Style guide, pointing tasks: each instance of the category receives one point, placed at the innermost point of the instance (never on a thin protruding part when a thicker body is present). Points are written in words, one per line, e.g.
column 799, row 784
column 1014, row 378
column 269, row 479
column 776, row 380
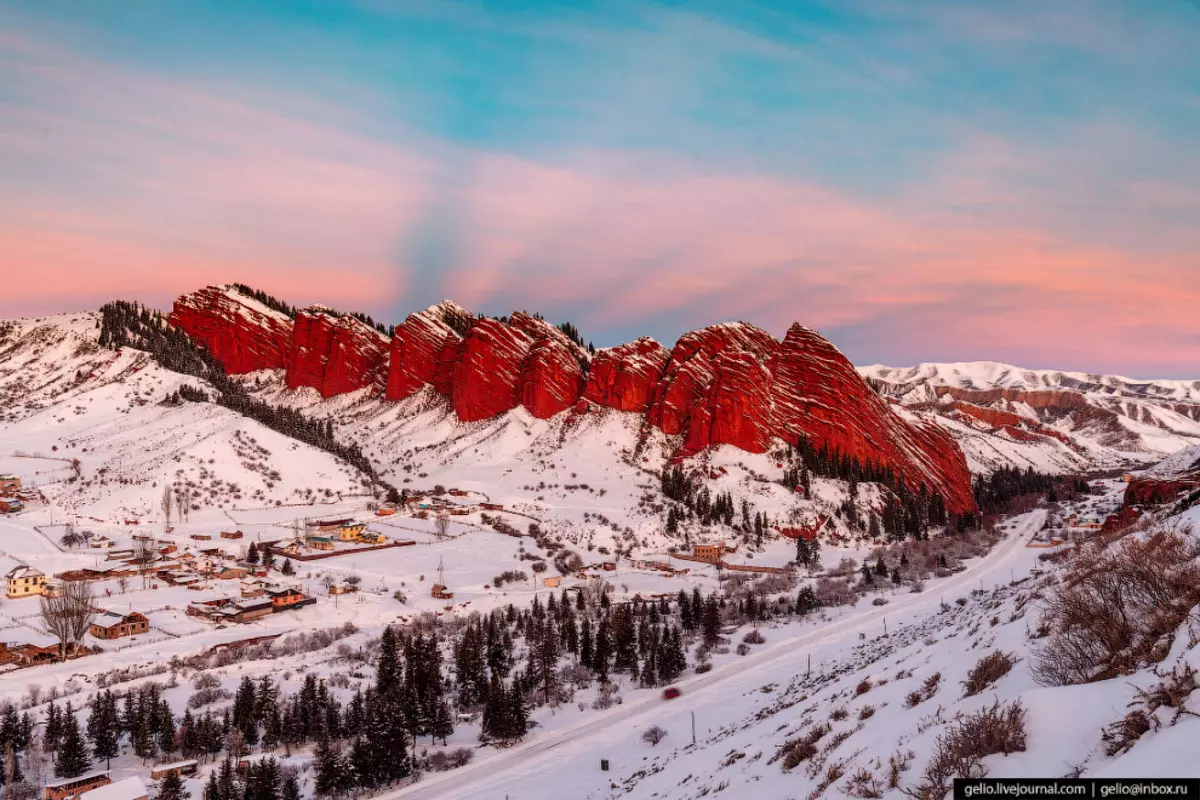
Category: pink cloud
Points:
column 175, row 185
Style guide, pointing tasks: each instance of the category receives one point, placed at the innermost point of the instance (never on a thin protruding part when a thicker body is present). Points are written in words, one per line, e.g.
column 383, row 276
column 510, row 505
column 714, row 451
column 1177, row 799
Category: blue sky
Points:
column 921, row 181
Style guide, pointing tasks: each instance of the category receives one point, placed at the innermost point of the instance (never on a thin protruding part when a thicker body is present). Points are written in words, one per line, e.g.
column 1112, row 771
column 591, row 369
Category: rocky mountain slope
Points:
column 1055, row 421
column 731, row 384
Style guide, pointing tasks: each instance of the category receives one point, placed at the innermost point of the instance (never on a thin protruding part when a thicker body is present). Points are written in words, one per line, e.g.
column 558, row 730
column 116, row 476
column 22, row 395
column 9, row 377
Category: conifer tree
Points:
column 103, row 727
column 443, row 722
column 72, row 759
column 290, row 788
column 172, row 788
column 711, row 621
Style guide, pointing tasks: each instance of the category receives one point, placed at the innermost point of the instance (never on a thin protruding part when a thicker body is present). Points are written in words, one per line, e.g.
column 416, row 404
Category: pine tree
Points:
column 806, row 601
column 102, row 727
column 443, row 722
column 172, row 788
column 72, row 760
column 331, row 770
column 287, row 568
column 711, row 621
column 290, row 789
column 586, row 647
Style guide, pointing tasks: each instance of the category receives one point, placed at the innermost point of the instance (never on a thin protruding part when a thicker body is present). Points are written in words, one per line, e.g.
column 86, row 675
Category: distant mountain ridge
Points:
column 1051, row 419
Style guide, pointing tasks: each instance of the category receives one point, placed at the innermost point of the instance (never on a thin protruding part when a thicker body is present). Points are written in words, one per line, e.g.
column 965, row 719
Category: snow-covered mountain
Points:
column 1052, row 420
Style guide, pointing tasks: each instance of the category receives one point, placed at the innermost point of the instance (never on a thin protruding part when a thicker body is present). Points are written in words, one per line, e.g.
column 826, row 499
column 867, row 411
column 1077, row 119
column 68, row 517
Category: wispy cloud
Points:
column 810, row 179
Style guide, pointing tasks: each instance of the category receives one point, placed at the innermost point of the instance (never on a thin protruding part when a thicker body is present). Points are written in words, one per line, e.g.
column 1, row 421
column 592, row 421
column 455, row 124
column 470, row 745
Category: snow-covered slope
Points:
column 107, row 439
column 877, row 692
column 1052, row 420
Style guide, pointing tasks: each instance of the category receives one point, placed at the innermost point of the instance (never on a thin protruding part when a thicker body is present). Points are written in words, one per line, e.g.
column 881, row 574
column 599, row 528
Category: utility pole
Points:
column 808, row 672
column 885, row 626
column 694, row 727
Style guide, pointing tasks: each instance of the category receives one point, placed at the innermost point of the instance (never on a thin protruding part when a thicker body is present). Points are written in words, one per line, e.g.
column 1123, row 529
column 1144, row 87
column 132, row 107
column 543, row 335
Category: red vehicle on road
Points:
column 670, row 693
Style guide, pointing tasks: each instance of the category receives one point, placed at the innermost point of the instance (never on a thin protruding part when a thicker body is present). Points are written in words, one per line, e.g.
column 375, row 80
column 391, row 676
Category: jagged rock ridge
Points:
column 728, row 384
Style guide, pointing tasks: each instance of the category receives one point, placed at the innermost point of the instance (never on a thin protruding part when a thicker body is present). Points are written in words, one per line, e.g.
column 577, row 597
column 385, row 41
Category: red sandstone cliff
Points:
column 240, row 332
column 726, row 384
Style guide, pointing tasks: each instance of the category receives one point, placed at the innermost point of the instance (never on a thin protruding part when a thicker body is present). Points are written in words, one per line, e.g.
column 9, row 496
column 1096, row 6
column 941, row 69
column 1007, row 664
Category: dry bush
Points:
column 898, row 762
column 1117, row 608
column 863, row 687
column 928, row 689
column 834, row 592
column 987, row 671
column 959, row 752
column 796, row 751
column 1124, row 733
column 864, row 785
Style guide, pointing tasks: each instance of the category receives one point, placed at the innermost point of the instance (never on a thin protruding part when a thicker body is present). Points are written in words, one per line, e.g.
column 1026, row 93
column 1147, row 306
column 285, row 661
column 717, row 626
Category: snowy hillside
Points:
column 98, row 427
column 1054, row 421
column 866, row 705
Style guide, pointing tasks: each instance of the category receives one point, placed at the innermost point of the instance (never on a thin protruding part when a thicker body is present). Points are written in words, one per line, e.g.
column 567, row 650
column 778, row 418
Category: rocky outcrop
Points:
column 420, row 345
column 488, row 370
column 1156, row 491
column 551, row 378
column 241, row 333
column 818, row 394
column 730, row 384
column 625, row 377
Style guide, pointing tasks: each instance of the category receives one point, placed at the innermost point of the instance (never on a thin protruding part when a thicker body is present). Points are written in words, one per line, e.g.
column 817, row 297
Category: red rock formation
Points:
column 240, row 332
column 737, row 407
column 818, row 393
column 551, row 378
column 420, row 344
column 335, row 354
column 357, row 358
column 488, row 370
column 625, row 377
column 1156, row 491
column 690, row 371
column 726, row 384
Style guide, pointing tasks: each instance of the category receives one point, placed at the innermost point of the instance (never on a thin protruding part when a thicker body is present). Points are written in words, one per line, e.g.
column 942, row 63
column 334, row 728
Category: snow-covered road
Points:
column 540, row 758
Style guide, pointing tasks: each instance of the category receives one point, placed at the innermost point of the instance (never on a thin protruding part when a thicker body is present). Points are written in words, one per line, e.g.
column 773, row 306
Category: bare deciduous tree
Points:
column 144, row 555
column 69, row 614
column 442, row 525
column 166, row 506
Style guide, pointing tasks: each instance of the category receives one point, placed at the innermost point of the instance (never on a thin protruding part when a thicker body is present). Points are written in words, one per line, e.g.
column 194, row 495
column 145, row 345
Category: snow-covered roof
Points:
column 23, row 571
column 84, row 777
column 128, row 789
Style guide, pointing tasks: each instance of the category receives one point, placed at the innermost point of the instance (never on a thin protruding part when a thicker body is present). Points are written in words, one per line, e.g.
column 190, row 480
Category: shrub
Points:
column 797, row 751
column 987, row 671
column 863, row 687
column 959, row 752
column 1116, row 606
column 654, row 735
column 206, row 680
column 754, row 637
column 928, row 689
column 207, row 696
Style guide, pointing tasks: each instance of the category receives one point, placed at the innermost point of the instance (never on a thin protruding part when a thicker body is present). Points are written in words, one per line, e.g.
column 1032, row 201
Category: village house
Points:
column 320, row 543
column 251, row 610
column 228, row 573
column 24, row 581
column 111, row 625
column 100, row 542
column 350, row 531
column 342, row 588
column 709, row 552
column 10, row 505
column 457, row 493
column 553, row 581
column 492, row 506
column 287, row 598
column 386, row 511
column 72, row 788
column 9, row 484
column 128, row 789
column 232, row 534
column 180, row 768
